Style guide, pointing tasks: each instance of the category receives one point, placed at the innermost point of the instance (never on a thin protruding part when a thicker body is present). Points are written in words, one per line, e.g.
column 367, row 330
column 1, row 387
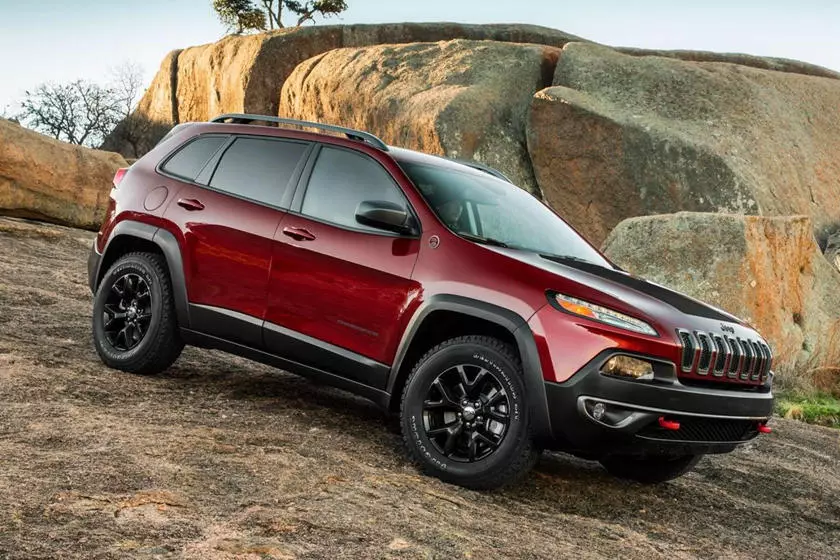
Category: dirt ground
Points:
column 222, row 458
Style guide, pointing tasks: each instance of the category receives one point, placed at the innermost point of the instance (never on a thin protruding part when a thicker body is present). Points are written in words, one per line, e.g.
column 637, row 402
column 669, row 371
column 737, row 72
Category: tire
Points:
column 649, row 470
column 153, row 342
column 493, row 445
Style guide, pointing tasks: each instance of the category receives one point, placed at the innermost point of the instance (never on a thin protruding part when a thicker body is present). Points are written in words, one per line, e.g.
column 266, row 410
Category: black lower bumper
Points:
column 711, row 420
column 94, row 260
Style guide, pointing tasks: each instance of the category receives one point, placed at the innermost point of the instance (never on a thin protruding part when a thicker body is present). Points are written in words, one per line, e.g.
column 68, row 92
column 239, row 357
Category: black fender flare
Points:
column 168, row 245
column 505, row 318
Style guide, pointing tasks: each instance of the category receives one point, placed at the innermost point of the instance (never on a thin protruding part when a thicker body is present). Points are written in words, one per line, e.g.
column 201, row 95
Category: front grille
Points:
column 703, row 429
column 738, row 359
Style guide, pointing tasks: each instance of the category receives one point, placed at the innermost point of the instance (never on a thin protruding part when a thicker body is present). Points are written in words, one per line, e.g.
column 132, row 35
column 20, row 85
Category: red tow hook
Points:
column 765, row 429
column 668, row 424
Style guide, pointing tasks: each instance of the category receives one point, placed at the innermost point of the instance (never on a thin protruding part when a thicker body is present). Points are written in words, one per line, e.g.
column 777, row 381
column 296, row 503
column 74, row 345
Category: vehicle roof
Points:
column 397, row 153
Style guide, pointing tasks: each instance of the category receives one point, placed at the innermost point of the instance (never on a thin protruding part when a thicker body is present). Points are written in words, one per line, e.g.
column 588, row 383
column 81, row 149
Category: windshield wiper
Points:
column 561, row 258
column 484, row 240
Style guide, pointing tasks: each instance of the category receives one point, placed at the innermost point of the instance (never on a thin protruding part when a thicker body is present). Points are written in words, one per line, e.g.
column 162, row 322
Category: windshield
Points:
column 485, row 209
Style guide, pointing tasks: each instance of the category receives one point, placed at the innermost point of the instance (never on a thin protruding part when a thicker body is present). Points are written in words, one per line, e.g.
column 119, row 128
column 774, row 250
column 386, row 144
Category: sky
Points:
column 63, row 40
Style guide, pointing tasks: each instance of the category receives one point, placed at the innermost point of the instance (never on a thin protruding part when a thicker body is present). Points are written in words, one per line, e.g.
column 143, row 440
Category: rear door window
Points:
column 258, row 169
column 192, row 157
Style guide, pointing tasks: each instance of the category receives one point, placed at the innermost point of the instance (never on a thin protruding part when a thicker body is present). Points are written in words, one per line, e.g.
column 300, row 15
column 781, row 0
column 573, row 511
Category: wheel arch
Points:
column 129, row 236
column 433, row 323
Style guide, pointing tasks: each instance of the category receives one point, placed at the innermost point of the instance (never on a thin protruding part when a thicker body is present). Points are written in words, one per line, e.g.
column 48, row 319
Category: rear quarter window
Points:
column 189, row 160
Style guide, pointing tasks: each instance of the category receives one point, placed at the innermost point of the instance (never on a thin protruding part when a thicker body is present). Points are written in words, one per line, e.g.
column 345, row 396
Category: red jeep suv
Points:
column 435, row 288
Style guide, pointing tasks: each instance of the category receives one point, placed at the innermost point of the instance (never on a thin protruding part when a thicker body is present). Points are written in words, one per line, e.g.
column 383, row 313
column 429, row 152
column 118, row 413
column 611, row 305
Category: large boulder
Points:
column 246, row 73
column 45, row 179
column 620, row 136
column 461, row 99
column 768, row 271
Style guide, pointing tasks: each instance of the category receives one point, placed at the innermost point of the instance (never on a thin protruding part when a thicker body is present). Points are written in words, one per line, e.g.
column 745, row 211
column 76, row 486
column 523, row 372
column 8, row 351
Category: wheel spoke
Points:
column 129, row 286
column 114, row 311
column 427, row 404
column 448, row 428
column 498, row 416
column 465, row 382
column 472, row 447
column 447, row 398
column 452, row 439
column 493, row 444
column 480, row 379
column 123, row 332
column 496, row 397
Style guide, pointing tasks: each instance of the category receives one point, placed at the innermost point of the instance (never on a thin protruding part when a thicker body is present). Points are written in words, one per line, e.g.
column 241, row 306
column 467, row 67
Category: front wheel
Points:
column 649, row 470
column 464, row 415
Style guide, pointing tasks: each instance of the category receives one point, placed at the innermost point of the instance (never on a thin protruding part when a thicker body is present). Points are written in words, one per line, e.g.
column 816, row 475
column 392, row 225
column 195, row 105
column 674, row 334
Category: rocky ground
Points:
column 222, row 458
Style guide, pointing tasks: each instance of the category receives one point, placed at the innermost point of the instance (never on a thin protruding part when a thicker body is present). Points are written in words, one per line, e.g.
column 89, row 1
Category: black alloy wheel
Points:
column 135, row 327
column 466, row 413
column 127, row 312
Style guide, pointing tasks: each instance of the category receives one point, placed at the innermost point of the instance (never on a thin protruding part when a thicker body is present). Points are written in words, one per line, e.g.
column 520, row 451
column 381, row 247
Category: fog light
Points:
column 599, row 410
column 627, row 366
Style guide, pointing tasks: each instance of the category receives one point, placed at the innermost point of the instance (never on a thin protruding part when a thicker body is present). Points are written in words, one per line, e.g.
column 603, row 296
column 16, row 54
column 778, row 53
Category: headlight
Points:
column 596, row 312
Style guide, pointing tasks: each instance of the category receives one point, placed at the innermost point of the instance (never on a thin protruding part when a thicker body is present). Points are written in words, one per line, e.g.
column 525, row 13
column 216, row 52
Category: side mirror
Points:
column 386, row 215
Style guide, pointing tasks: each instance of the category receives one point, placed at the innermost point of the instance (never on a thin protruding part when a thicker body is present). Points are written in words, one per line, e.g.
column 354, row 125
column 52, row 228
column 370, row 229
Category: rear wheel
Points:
column 649, row 470
column 134, row 323
column 464, row 417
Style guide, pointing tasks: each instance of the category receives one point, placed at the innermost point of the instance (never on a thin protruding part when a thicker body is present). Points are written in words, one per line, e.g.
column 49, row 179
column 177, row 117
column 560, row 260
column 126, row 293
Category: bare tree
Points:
column 80, row 112
column 134, row 130
column 85, row 113
column 127, row 84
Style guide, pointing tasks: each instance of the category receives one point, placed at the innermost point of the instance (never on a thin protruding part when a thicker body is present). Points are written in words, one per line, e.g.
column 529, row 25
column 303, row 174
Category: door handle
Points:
column 301, row 234
column 190, row 204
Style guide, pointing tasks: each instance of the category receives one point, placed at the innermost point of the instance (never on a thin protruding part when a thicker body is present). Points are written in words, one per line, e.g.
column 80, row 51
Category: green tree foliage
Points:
column 243, row 15
column 240, row 15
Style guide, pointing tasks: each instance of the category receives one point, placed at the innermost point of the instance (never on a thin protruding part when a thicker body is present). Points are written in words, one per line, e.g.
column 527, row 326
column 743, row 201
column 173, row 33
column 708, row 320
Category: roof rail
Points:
column 358, row 135
column 486, row 168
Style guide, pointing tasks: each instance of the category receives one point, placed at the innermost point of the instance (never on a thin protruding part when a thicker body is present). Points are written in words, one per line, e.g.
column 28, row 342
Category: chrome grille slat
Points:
column 705, row 361
column 737, row 361
column 689, row 350
column 736, row 358
column 759, row 361
column 723, row 355
column 748, row 359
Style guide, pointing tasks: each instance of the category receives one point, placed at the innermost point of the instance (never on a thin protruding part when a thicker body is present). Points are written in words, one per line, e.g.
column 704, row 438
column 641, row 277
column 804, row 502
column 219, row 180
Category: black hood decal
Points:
column 674, row 299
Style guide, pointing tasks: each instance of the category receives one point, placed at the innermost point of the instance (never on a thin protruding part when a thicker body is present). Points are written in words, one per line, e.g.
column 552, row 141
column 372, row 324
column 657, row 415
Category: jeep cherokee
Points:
column 435, row 288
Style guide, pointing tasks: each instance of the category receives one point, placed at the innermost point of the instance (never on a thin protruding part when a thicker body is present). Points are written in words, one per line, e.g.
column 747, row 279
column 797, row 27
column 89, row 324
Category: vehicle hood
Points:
column 647, row 296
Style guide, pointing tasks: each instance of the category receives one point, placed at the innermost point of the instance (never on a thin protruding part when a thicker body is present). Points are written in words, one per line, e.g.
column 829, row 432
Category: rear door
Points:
column 340, row 292
column 228, row 215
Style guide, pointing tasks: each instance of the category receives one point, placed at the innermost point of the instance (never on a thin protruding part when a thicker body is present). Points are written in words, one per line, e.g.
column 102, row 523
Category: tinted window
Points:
column 341, row 180
column 258, row 168
column 189, row 160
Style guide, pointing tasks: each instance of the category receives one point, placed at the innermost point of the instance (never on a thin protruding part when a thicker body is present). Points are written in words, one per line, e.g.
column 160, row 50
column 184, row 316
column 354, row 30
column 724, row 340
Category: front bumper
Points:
column 94, row 261
column 713, row 420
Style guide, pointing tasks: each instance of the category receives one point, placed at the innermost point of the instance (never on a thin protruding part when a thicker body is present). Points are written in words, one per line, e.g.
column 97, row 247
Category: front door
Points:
column 337, row 285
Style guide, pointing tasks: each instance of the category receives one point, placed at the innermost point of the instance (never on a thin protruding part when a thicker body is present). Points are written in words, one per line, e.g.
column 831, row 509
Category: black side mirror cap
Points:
column 386, row 215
